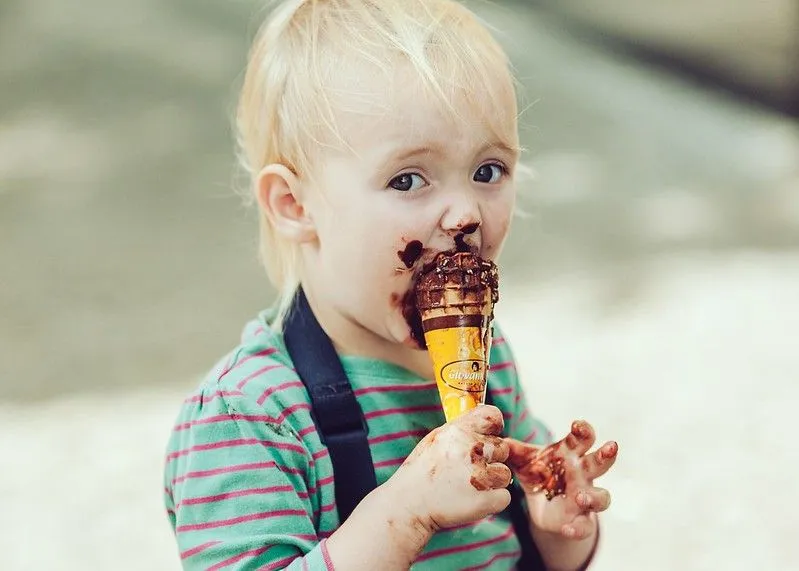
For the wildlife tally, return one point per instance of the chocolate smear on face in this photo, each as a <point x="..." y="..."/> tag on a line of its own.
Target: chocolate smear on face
<point x="470" y="228"/>
<point x="411" y="254"/>
<point x="413" y="319"/>
<point x="460" y="243"/>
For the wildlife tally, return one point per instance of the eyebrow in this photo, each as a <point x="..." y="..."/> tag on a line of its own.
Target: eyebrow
<point x="435" y="149"/>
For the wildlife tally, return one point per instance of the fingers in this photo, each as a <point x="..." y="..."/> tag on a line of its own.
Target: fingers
<point x="521" y="454"/>
<point x="495" y="449"/>
<point x="491" y="477"/>
<point x="593" y="499"/>
<point x="581" y="438"/>
<point x="485" y="419"/>
<point x="597" y="463"/>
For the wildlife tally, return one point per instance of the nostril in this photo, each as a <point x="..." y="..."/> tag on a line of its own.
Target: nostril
<point x="470" y="228"/>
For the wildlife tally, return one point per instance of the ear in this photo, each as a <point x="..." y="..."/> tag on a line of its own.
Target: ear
<point x="279" y="196"/>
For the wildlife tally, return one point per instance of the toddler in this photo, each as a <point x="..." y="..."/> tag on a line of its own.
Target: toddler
<point x="377" y="133"/>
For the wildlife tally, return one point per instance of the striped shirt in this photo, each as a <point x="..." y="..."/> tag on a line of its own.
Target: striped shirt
<point x="249" y="485"/>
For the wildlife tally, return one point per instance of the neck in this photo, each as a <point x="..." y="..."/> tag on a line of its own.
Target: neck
<point x="351" y="338"/>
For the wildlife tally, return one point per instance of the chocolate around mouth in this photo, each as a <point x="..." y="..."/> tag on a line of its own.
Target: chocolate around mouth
<point x="476" y="276"/>
<point x="411" y="254"/>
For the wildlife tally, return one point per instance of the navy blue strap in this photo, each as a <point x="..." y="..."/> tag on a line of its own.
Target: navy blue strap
<point x="337" y="415"/>
<point x="531" y="558"/>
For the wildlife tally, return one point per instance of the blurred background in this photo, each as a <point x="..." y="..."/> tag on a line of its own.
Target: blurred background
<point x="651" y="284"/>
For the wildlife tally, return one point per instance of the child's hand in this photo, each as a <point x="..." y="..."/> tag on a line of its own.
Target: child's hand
<point x="564" y="463"/>
<point x="456" y="474"/>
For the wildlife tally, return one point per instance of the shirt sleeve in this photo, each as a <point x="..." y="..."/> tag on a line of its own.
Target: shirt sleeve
<point x="510" y="396"/>
<point x="241" y="493"/>
<point x="523" y="425"/>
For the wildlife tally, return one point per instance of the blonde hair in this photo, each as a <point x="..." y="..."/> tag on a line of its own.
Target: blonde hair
<point x="287" y="106"/>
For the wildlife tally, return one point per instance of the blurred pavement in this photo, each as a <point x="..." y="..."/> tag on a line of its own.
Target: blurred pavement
<point x="652" y="288"/>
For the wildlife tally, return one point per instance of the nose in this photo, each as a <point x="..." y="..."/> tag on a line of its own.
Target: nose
<point x="462" y="214"/>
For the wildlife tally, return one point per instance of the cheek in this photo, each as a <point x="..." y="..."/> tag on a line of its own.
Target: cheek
<point x="496" y="224"/>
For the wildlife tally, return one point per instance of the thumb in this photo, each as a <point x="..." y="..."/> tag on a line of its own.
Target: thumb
<point x="484" y="419"/>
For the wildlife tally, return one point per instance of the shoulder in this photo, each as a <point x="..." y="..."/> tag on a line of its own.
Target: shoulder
<point x="256" y="381"/>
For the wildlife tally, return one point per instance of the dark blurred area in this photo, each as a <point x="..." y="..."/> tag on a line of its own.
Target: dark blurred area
<point x="747" y="47"/>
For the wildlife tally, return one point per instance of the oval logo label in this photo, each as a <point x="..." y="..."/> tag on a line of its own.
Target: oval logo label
<point x="467" y="375"/>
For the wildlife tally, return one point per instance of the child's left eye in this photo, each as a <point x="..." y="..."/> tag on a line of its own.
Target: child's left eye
<point x="490" y="173"/>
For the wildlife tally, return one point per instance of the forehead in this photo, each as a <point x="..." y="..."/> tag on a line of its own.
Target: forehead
<point x="395" y="103"/>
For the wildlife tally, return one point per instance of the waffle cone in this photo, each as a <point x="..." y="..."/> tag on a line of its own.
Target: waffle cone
<point x="456" y="304"/>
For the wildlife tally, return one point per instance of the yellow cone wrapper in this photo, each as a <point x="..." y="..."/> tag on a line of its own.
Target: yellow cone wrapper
<point x="455" y="299"/>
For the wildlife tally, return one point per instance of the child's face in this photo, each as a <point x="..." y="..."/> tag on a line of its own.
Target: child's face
<point x="414" y="182"/>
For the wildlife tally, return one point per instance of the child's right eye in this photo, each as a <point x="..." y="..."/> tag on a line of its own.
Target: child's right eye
<point x="406" y="182"/>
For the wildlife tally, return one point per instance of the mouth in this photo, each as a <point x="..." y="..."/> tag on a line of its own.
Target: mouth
<point x="417" y="260"/>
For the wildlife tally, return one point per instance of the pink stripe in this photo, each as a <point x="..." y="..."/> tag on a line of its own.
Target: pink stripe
<point x="325" y="508"/>
<point x="398" y="435"/>
<point x="280" y="564"/>
<point x="236" y="494"/>
<point x="263" y="353"/>
<point x="234" y="444"/>
<point x="532" y="436"/>
<point x="199" y="549"/>
<point x="503" y="365"/>
<point x="323" y="482"/>
<point x="224" y="418"/>
<point x="280" y="387"/>
<point x="465" y="547"/>
<point x="499" y="341"/>
<point x="522" y="416"/>
<point x="259" y="372"/>
<point x="291" y="410"/>
<point x="495" y="558"/>
<point x="258" y="331"/>
<point x="203" y="398"/>
<point x="326" y="556"/>
<point x="403" y="410"/>
<point x="239" y="519"/>
<point x="392" y="462"/>
<point x="304" y="564"/>
<point x="239" y="557"/>
<point x="502" y="391"/>
<point x="394" y="388"/>
<point x="236" y="468"/>
<point x="307" y="430"/>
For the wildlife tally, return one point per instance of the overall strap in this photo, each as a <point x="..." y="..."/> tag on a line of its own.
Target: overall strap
<point x="336" y="413"/>
<point x="531" y="558"/>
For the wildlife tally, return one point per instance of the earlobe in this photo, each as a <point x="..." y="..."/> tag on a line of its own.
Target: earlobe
<point x="280" y="199"/>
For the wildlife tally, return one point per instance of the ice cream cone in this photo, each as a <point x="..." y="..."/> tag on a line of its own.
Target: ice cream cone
<point x="455" y="298"/>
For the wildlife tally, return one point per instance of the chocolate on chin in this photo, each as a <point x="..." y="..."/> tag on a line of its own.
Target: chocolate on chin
<point x="455" y="297"/>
